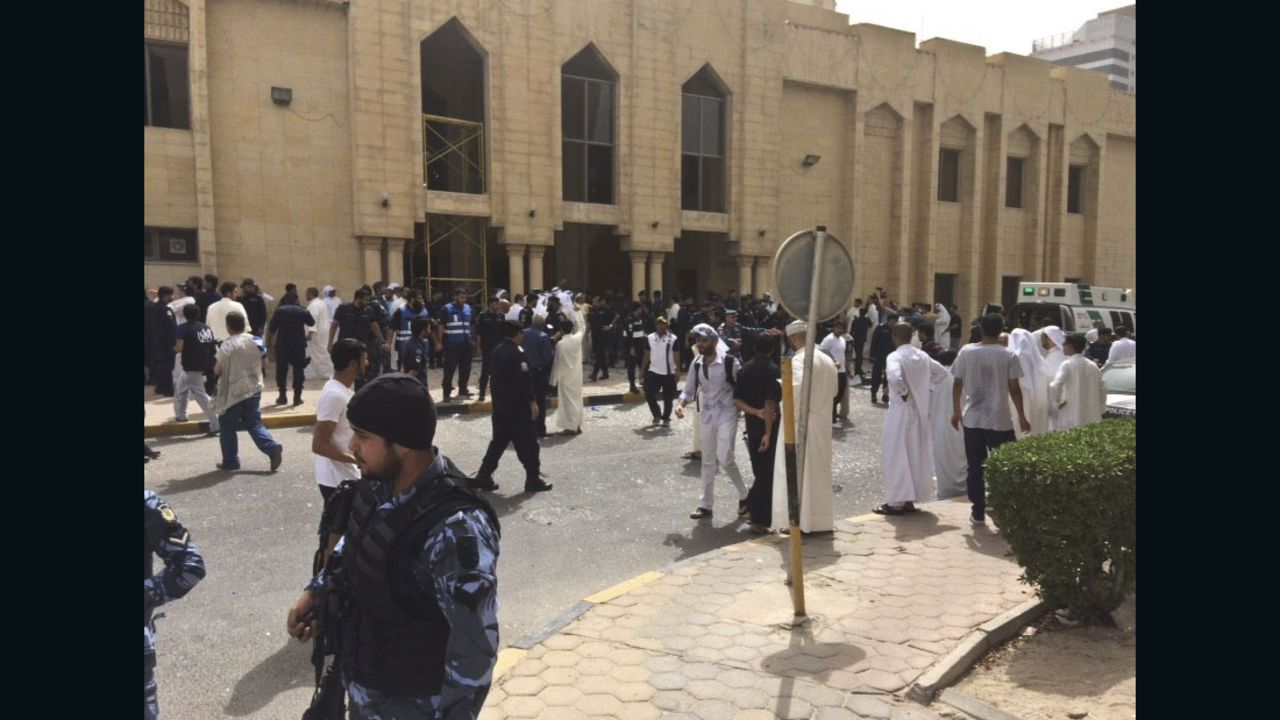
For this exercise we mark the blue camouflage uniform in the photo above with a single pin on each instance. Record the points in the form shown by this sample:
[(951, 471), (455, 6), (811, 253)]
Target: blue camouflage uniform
[(183, 568), (467, 598)]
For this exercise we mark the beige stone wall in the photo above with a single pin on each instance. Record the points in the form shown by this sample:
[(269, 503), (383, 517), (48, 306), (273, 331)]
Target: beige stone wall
[(282, 175), (169, 178), (296, 193)]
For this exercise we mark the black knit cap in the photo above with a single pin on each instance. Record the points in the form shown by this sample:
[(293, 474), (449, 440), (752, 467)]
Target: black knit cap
[(397, 407)]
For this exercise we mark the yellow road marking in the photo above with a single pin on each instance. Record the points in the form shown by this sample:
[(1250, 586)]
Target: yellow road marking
[(622, 588)]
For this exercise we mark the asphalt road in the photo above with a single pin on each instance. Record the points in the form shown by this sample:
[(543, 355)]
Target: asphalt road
[(619, 508)]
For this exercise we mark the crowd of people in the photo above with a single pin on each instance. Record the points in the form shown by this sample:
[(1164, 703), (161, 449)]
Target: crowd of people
[(948, 406)]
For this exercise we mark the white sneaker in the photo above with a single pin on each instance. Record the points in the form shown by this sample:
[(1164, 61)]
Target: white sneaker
[(837, 425)]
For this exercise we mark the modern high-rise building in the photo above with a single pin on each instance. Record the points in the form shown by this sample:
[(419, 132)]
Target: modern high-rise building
[(1107, 43)]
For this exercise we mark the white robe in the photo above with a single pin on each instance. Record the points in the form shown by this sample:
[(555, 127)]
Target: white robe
[(1034, 381), (331, 303), (816, 485), (907, 448), (321, 365), (566, 373), (950, 466), (1078, 383), (940, 325), (1053, 359)]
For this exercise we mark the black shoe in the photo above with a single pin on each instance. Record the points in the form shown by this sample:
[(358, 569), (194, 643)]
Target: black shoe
[(604, 376), (593, 378), (666, 422), (482, 482), (481, 398), (282, 400), (657, 420), (635, 389), (538, 486), (465, 394), (297, 399), (447, 398), (700, 514), (277, 457)]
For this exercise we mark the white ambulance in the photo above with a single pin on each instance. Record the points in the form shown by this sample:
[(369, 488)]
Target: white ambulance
[(1074, 307)]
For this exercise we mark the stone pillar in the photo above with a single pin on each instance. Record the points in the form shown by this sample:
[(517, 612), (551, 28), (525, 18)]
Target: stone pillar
[(371, 251), (536, 252), (395, 260), (515, 268), (762, 275), (744, 273), (655, 271), (637, 272)]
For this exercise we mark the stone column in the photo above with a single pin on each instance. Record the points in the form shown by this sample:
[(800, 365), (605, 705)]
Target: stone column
[(762, 275), (395, 260), (637, 272), (744, 273), (515, 268), (371, 251), (536, 252), (655, 271)]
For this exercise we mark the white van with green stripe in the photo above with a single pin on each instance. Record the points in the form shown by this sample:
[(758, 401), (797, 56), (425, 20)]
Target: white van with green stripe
[(1074, 307)]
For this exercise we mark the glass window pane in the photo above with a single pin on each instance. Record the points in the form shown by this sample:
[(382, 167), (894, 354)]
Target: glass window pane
[(148, 245), (169, 86), (689, 181), (600, 174), (712, 127), (949, 175), (1013, 183), (600, 112), (690, 125), (1075, 181), (712, 184), (572, 104), (573, 168)]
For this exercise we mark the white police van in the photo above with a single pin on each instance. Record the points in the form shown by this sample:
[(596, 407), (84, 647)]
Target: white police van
[(1074, 307)]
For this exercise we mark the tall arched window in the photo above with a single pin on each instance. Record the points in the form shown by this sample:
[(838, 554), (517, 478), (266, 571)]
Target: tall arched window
[(703, 147), (587, 102)]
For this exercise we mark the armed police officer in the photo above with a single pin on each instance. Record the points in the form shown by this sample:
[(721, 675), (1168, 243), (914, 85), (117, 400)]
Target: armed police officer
[(413, 579), (515, 413), (183, 568), (459, 343)]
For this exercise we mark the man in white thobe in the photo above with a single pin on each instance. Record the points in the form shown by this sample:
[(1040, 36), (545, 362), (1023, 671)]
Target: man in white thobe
[(816, 492), (321, 365), (1123, 350), (329, 294), (906, 450), (566, 374), (950, 466), (1077, 390), (717, 417), (1051, 340), (1034, 380)]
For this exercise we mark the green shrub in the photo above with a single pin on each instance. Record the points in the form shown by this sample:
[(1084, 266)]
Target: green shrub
[(1067, 504)]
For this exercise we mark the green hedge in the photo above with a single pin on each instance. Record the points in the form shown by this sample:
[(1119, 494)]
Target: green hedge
[(1067, 504)]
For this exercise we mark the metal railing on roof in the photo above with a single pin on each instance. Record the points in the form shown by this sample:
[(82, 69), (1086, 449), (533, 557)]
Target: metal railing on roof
[(1053, 41)]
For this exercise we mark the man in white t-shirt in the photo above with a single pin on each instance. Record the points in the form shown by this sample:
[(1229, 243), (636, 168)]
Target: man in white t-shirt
[(334, 461), (834, 346), (216, 316)]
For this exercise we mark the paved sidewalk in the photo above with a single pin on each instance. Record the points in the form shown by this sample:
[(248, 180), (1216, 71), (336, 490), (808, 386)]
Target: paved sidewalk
[(710, 638)]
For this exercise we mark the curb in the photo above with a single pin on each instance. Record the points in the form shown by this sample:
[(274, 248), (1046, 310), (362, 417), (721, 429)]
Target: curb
[(193, 427), (974, 706), (973, 646)]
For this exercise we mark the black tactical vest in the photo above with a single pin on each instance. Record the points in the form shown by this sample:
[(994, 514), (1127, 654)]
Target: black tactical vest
[(394, 636)]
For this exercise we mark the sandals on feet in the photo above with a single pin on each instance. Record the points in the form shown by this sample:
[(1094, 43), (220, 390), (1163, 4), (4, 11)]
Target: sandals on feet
[(887, 509), (700, 514)]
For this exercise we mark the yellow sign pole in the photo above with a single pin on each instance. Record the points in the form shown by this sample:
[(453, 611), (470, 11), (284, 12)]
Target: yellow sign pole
[(793, 490)]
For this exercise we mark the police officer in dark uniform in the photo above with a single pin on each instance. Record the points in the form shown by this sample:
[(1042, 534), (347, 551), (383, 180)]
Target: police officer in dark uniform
[(288, 330), (601, 320), (409, 597), (635, 341), (489, 329), (183, 568), (526, 313), (459, 343), (731, 333), (254, 305), (515, 409)]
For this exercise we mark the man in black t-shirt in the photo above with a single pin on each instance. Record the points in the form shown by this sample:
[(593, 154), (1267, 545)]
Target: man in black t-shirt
[(254, 305), (358, 320), (758, 393), (415, 354), (195, 348)]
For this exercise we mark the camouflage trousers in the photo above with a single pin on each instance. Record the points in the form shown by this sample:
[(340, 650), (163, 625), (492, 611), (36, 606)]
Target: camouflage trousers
[(151, 701)]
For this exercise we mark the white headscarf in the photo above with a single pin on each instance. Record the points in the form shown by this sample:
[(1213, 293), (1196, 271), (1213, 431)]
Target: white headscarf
[(1023, 344), (1054, 359), (706, 330)]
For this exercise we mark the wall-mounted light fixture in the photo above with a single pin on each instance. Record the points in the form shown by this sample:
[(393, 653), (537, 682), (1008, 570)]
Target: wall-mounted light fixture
[(533, 212), (386, 200), (810, 160), (760, 232), (654, 224), (281, 95)]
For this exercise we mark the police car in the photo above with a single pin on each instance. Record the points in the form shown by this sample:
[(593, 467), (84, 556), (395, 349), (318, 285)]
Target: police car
[(1121, 382)]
